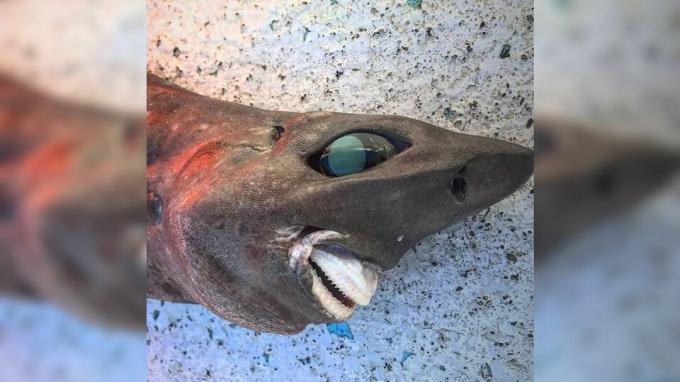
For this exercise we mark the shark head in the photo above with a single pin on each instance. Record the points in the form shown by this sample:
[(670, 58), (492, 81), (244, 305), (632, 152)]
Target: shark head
[(277, 220)]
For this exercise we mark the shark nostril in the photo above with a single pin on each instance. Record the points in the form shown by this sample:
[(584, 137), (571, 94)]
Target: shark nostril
[(458, 187)]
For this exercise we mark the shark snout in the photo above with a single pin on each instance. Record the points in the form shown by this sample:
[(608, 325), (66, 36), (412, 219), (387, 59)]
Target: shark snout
[(439, 180), (490, 175), (465, 175)]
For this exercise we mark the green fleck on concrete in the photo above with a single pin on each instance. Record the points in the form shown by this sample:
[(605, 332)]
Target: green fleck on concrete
[(414, 3), (405, 355), (448, 113)]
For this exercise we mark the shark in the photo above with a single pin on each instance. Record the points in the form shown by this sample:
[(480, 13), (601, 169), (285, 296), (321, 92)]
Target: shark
[(587, 174), (72, 205), (276, 220)]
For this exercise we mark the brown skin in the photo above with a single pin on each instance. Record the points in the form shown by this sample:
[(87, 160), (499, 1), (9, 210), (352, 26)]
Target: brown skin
[(224, 180), (71, 206), (585, 177)]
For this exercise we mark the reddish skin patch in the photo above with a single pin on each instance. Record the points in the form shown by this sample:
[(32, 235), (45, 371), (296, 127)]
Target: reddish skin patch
[(44, 172), (71, 180), (203, 160)]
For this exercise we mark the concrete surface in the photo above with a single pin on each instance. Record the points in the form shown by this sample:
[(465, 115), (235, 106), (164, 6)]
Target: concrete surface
[(606, 304), (73, 51), (459, 306), (41, 342), (610, 65)]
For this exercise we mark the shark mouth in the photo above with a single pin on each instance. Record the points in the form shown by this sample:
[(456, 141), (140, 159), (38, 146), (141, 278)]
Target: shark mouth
[(339, 280)]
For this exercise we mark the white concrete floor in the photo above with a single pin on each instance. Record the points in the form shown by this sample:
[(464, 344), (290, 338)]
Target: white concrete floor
[(459, 306), (41, 342)]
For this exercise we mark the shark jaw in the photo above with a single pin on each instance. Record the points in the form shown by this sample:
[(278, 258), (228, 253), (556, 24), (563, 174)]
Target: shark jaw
[(340, 281)]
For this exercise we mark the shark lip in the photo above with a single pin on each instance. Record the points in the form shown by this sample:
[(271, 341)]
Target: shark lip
[(339, 279)]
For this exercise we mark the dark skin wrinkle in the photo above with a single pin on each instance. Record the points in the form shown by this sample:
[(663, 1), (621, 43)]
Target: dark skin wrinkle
[(231, 178)]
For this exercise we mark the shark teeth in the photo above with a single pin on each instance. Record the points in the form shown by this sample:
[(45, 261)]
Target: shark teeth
[(340, 281), (346, 272)]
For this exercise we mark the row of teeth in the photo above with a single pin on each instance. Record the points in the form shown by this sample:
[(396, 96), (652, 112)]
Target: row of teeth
[(330, 304), (355, 280)]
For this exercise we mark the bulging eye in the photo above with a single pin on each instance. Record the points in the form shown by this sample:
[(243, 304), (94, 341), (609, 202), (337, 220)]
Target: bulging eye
[(353, 153)]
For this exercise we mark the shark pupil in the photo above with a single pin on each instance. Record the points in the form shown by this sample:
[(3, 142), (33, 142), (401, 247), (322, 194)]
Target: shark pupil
[(354, 153)]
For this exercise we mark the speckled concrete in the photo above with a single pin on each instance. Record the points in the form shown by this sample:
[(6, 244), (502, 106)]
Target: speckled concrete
[(606, 306), (41, 342), (459, 306), (85, 52)]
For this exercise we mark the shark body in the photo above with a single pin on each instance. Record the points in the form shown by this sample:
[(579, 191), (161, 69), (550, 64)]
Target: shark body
[(243, 217)]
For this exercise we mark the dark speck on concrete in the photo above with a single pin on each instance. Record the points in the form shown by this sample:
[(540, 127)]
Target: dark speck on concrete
[(485, 371), (505, 52), (217, 69), (156, 313), (176, 52), (304, 35)]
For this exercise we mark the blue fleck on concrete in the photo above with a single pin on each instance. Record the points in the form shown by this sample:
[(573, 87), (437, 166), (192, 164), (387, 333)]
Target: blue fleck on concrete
[(404, 356), (340, 329)]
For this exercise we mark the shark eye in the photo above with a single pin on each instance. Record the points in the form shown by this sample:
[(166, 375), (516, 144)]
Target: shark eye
[(354, 153)]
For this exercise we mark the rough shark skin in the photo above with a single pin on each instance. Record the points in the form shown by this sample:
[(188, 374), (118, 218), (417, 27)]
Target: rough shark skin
[(236, 210), (72, 205)]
